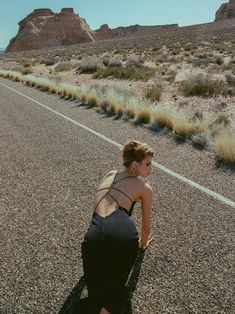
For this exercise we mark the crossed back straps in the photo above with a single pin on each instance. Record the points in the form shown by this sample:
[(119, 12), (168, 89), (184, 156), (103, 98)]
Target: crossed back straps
[(111, 187)]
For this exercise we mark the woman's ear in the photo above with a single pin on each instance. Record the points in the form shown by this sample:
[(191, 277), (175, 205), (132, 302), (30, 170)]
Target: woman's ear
[(135, 166)]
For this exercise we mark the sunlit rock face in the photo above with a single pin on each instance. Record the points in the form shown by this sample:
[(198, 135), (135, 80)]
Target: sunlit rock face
[(43, 28), (226, 11)]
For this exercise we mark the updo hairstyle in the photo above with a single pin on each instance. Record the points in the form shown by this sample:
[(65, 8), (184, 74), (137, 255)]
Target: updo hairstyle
[(135, 151)]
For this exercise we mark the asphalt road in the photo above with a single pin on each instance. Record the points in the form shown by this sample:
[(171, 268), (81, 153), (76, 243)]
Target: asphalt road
[(49, 171)]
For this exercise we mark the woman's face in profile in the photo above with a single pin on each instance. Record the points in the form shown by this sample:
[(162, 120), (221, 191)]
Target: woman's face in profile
[(145, 166)]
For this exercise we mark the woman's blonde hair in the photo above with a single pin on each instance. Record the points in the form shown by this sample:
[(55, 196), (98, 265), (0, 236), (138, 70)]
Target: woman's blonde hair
[(135, 151)]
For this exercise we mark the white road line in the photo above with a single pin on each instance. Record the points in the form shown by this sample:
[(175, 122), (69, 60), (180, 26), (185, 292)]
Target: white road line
[(217, 196)]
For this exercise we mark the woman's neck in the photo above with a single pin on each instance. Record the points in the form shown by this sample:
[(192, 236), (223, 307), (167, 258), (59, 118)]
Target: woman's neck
[(130, 172)]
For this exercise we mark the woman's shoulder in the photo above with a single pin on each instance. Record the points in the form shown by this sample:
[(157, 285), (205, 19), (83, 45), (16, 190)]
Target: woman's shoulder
[(144, 186), (108, 174)]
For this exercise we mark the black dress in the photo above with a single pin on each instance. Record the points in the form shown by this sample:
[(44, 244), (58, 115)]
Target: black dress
[(109, 250)]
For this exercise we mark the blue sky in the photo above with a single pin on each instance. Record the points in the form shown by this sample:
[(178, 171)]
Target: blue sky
[(113, 12)]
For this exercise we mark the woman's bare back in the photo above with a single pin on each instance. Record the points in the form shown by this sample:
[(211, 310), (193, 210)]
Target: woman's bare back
[(117, 189)]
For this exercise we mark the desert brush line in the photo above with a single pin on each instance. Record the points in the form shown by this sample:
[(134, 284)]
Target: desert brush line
[(122, 102)]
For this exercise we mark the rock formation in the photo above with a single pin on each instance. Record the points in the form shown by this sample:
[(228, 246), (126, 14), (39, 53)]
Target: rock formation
[(139, 29), (104, 32), (226, 11), (43, 28)]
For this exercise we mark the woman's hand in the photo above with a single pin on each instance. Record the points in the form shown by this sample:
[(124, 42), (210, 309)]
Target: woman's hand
[(143, 245)]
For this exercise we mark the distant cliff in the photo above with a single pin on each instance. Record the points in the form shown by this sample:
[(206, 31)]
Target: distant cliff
[(138, 29), (43, 28), (226, 11)]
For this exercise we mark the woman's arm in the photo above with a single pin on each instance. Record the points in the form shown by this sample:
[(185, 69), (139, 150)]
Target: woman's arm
[(146, 206)]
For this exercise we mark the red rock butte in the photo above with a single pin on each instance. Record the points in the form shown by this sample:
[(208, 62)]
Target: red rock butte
[(44, 29), (226, 11)]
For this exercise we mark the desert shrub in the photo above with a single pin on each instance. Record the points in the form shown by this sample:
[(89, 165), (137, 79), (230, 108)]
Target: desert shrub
[(63, 67), (93, 100), (200, 141), (105, 58), (48, 62), (219, 60), (143, 115), (134, 63), (115, 61), (127, 73), (223, 118), (229, 67), (174, 59), (153, 93), (55, 78), (232, 61), (189, 46), (25, 63), (164, 115), (170, 75), (230, 79), (175, 52), (225, 145), (89, 64), (115, 107), (201, 126), (161, 59), (200, 85), (200, 62), (23, 70), (229, 90)]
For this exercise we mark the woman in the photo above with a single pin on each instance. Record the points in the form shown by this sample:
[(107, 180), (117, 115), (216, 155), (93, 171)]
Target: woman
[(111, 242)]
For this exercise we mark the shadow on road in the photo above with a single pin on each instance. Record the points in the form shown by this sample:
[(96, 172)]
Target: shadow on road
[(75, 305)]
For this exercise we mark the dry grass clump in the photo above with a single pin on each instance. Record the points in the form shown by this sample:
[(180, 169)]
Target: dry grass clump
[(143, 114), (190, 47), (201, 85), (115, 61), (153, 94), (170, 75), (48, 62), (167, 73), (63, 67), (164, 115), (201, 126), (161, 58), (131, 110), (182, 126), (173, 118), (66, 90), (26, 63), (230, 79), (115, 107), (12, 75), (89, 64), (200, 62), (225, 145), (23, 70), (202, 123), (229, 67), (223, 119), (134, 62), (219, 60)]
